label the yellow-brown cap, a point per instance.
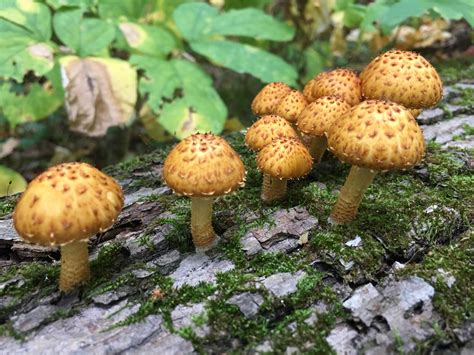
(266, 129)
(291, 105)
(377, 135)
(203, 165)
(67, 203)
(339, 82)
(403, 77)
(268, 98)
(308, 90)
(316, 119)
(285, 158)
(415, 112)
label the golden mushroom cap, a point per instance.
(343, 83)
(268, 98)
(415, 112)
(266, 129)
(308, 90)
(203, 165)
(403, 77)
(285, 158)
(316, 119)
(291, 105)
(377, 135)
(67, 203)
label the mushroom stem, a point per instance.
(273, 188)
(318, 147)
(74, 265)
(201, 222)
(351, 194)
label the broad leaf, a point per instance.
(56, 4)
(39, 102)
(247, 59)
(10, 182)
(195, 20)
(125, 9)
(143, 39)
(100, 93)
(182, 95)
(85, 36)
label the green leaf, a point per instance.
(39, 102)
(241, 4)
(125, 9)
(243, 58)
(143, 39)
(86, 36)
(455, 9)
(195, 20)
(373, 12)
(182, 94)
(10, 182)
(57, 4)
(251, 23)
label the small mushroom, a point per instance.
(203, 166)
(283, 159)
(316, 119)
(267, 129)
(65, 206)
(403, 77)
(268, 98)
(343, 83)
(415, 112)
(291, 106)
(372, 136)
(308, 91)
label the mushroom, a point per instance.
(203, 166)
(316, 119)
(65, 206)
(267, 129)
(268, 98)
(415, 112)
(291, 106)
(308, 91)
(339, 82)
(372, 136)
(402, 77)
(283, 159)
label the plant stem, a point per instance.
(345, 209)
(318, 147)
(74, 265)
(273, 188)
(201, 222)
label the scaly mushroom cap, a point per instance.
(67, 203)
(343, 83)
(291, 106)
(285, 158)
(403, 77)
(203, 165)
(415, 112)
(308, 91)
(316, 119)
(267, 129)
(377, 135)
(268, 98)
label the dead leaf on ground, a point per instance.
(7, 147)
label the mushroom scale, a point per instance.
(266, 101)
(267, 129)
(403, 77)
(291, 105)
(343, 83)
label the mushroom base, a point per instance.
(345, 209)
(74, 265)
(273, 189)
(201, 222)
(318, 148)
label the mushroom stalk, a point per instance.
(318, 147)
(74, 265)
(351, 194)
(273, 188)
(201, 222)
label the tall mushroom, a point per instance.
(267, 129)
(316, 119)
(373, 136)
(203, 166)
(281, 160)
(339, 82)
(268, 98)
(65, 206)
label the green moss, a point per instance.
(7, 204)
(455, 70)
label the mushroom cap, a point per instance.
(308, 90)
(316, 119)
(339, 82)
(415, 112)
(266, 129)
(377, 135)
(67, 203)
(291, 105)
(203, 165)
(285, 158)
(267, 99)
(403, 77)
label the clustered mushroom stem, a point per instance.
(345, 209)
(318, 147)
(201, 222)
(273, 189)
(74, 265)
